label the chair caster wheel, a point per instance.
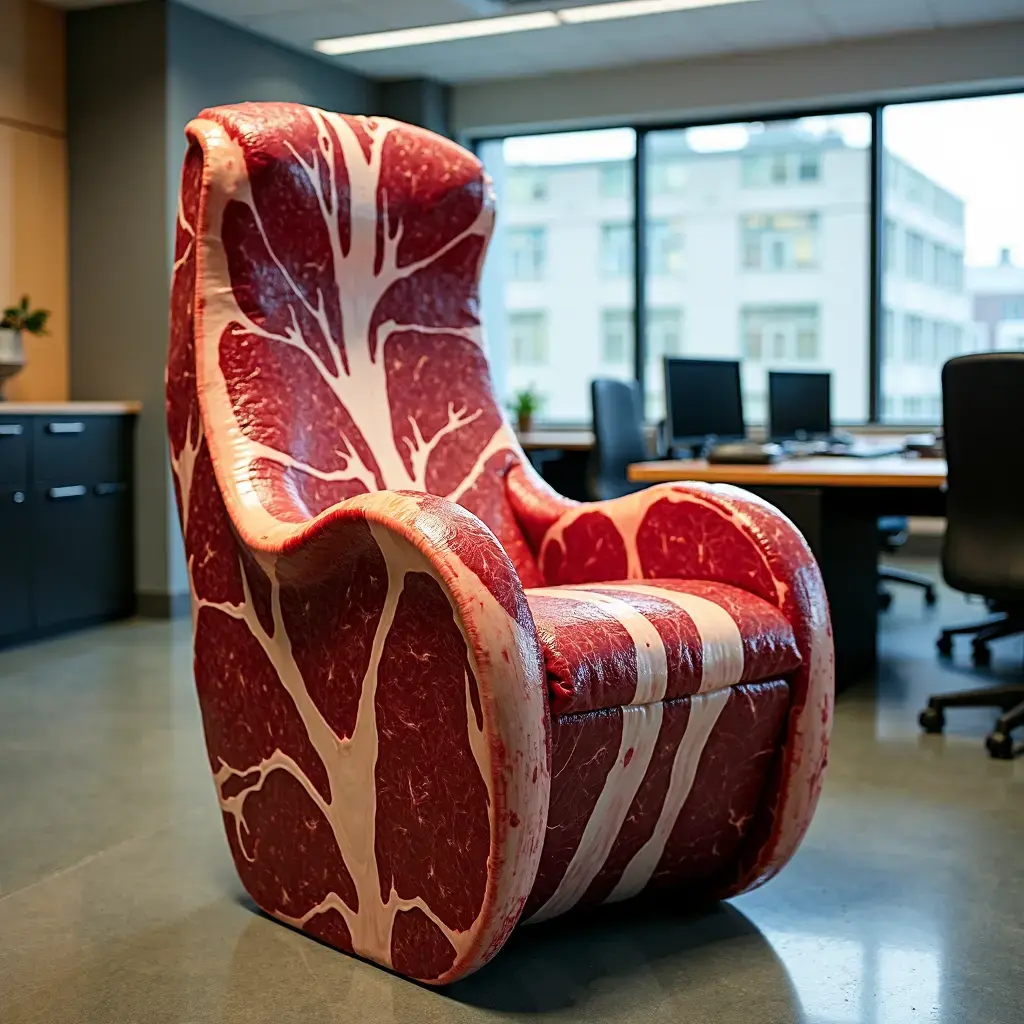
(999, 745)
(884, 600)
(932, 719)
(981, 656)
(945, 646)
(930, 597)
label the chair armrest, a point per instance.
(398, 628)
(723, 534)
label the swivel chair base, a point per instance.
(887, 574)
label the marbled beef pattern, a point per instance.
(360, 524)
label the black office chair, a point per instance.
(983, 552)
(893, 532)
(618, 438)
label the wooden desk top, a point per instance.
(827, 471)
(69, 408)
(567, 440)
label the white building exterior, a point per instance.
(759, 253)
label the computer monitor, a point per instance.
(799, 405)
(703, 399)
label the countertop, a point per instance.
(69, 408)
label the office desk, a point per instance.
(557, 440)
(836, 503)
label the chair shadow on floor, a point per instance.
(637, 961)
(644, 953)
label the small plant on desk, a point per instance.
(525, 405)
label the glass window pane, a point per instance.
(773, 265)
(951, 190)
(557, 291)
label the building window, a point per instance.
(1013, 309)
(913, 407)
(528, 338)
(527, 253)
(810, 167)
(888, 335)
(780, 241)
(781, 334)
(915, 256)
(889, 245)
(913, 339)
(766, 170)
(668, 176)
(664, 333)
(616, 337)
(665, 248)
(617, 180)
(527, 185)
(617, 250)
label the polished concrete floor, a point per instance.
(118, 902)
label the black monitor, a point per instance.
(703, 399)
(799, 405)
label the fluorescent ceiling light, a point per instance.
(437, 33)
(480, 27)
(634, 9)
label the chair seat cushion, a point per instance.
(614, 644)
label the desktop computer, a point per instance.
(704, 408)
(800, 417)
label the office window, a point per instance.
(665, 247)
(780, 241)
(527, 185)
(617, 250)
(617, 337)
(757, 279)
(616, 180)
(957, 199)
(528, 338)
(527, 253)
(914, 249)
(668, 177)
(552, 320)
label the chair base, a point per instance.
(1009, 697)
(910, 579)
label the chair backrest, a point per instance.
(338, 342)
(618, 437)
(983, 551)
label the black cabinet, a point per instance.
(66, 536)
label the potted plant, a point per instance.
(525, 405)
(12, 352)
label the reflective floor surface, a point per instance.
(118, 902)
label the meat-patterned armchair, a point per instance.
(439, 699)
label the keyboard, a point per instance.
(863, 449)
(859, 448)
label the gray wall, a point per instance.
(914, 65)
(136, 74)
(419, 101)
(117, 97)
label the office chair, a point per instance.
(983, 552)
(618, 438)
(892, 535)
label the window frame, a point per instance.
(878, 169)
